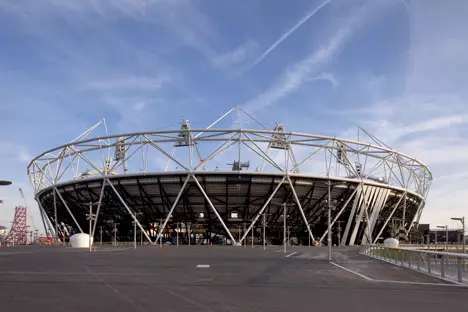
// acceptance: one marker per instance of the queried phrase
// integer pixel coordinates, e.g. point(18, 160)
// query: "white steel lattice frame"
point(345, 160)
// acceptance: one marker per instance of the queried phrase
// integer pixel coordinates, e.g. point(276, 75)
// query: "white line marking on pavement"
point(421, 283)
point(116, 291)
point(202, 266)
point(399, 282)
point(113, 249)
point(8, 253)
point(351, 271)
point(291, 254)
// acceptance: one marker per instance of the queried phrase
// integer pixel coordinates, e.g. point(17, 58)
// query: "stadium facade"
point(223, 185)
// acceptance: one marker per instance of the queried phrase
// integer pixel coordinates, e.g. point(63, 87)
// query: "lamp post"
point(160, 238)
point(462, 220)
point(446, 234)
point(177, 233)
point(115, 233)
point(245, 240)
point(252, 237)
point(264, 230)
point(135, 229)
point(239, 231)
point(339, 233)
point(284, 226)
point(329, 237)
point(188, 232)
point(100, 232)
point(285, 217)
point(91, 217)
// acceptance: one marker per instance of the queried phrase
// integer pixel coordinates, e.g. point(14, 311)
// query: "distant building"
point(438, 235)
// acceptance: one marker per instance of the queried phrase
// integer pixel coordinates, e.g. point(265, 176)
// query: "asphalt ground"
point(237, 279)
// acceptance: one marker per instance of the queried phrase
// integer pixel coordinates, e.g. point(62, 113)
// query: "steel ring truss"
point(379, 179)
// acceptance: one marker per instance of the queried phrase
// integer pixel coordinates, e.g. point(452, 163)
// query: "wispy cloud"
point(299, 73)
point(238, 56)
point(429, 120)
point(13, 151)
point(294, 77)
point(129, 83)
point(330, 77)
point(289, 32)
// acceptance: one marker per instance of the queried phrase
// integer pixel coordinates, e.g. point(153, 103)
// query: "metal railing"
point(449, 266)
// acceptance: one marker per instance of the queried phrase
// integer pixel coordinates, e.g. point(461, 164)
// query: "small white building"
point(80, 240)
point(3, 231)
point(391, 242)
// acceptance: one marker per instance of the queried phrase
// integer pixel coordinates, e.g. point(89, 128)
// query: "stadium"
point(221, 185)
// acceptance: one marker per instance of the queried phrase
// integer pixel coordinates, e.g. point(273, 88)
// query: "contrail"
point(289, 32)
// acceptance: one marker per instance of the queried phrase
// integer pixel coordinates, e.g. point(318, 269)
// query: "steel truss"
point(371, 184)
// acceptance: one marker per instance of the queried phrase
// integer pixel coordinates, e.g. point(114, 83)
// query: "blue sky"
point(396, 68)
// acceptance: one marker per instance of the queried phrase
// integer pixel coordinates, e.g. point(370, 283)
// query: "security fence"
point(449, 266)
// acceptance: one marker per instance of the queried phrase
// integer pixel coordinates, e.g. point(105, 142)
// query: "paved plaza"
point(214, 278)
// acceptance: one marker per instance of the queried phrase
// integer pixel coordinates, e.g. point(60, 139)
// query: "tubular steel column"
point(56, 221)
point(128, 209)
point(68, 209)
point(40, 211)
point(300, 209)
point(43, 216)
point(352, 215)
point(99, 205)
point(389, 217)
point(339, 214)
point(214, 210)
point(174, 205)
point(264, 207)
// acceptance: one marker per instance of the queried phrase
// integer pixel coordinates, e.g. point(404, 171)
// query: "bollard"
point(429, 269)
point(459, 268)
point(418, 255)
point(410, 255)
point(442, 266)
